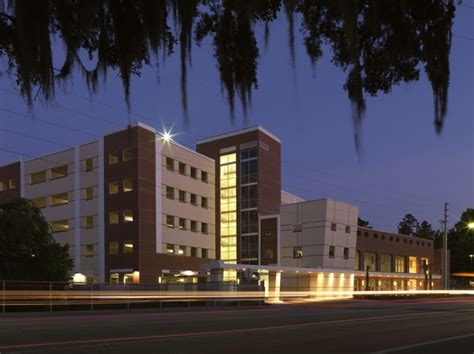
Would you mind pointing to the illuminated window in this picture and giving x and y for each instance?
(369, 261)
(113, 187)
(182, 196)
(40, 202)
(127, 154)
(3, 186)
(386, 263)
(113, 158)
(204, 176)
(182, 250)
(89, 193)
(193, 172)
(333, 227)
(59, 199)
(297, 252)
(400, 264)
(60, 225)
(193, 199)
(204, 228)
(182, 168)
(59, 172)
(89, 165)
(89, 222)
(204, 253)
(193, 225)
(170, 164)
(113, 247)
(332, 251)
(38, 177)
(170, 221)
(128, 246)
(193, 252)
(182, 224)
(89, 250)
(169, 248)
(114, 278)
(204, 202)
(127, 185)
(169, 192)
(228, 207)
(113, 217)
(128, 216)
(412, 262)
(346, 253)
(12, 183)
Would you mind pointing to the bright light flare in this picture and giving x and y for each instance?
(166, 136)
(470, 225)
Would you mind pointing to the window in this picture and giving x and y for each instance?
(193, 226)
(169, 192)
(59, 172)
(113, 187)
(332, 251)
(114, 278)
(170, 164)
(400, 264)
(60, 225)
(386, 263)
(369, 261)
(89, 222)
(412, 264)
(366, 234)
(297, 228)
(297, 252)
(410, 242)
(38, 177)
(40, 202)
(113, 158)
(127, 185)
(359, 233)
(182, 196)
(382, 237)
(193, 172)
(113, 247)
(397, 239)
(348, 229)
(204, 202)
(127, 155)
(249, 196)
(128, 246)
(193, 199)
(89, 250)
(333, 227)
(89, 165)
(376, 236)
(3, 186)
(248, 171)
(204, 176)
(89, 193)
(113, 217)
(193, 252)
(249, 222)
(182, 250)
(182, 168)
(182, 224)
(205, 253)
(204, 228)
(169, 248)
(128, 216)
(170, 221)
(346, 253)
(12, 183)
(268, 253)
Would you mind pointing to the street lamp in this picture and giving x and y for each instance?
(470, 225)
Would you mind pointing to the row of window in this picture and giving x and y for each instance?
(182, 251)
(127, 155)
(59, 172)
(299, 228)
(125, 186)
(183, 169)
(182, 197)
(183, 224)
(61, 198)
(7, 184)
(369, 262)
(396, 239)
(298, 252)
(114, 247)
(117, 217)
(63, 225)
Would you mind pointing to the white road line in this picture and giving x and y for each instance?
(391, 350)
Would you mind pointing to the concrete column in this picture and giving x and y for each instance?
(274, 284)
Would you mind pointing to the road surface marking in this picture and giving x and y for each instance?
(391, 350)
(221, 332)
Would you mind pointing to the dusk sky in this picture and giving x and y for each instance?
(405, 166)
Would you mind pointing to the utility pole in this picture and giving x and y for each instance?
(445, 249)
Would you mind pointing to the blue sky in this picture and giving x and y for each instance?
(404, 167)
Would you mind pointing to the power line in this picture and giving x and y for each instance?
(467, 6)
(463, 37)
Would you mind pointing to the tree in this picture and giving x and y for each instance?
(363, 223)
(425, 230)
(29, 251)
(461, 243)
(408, 226)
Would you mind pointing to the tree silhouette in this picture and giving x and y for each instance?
(378, 43)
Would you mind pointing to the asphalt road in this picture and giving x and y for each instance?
(352, 326)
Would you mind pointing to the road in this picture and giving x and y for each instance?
(351, 326)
